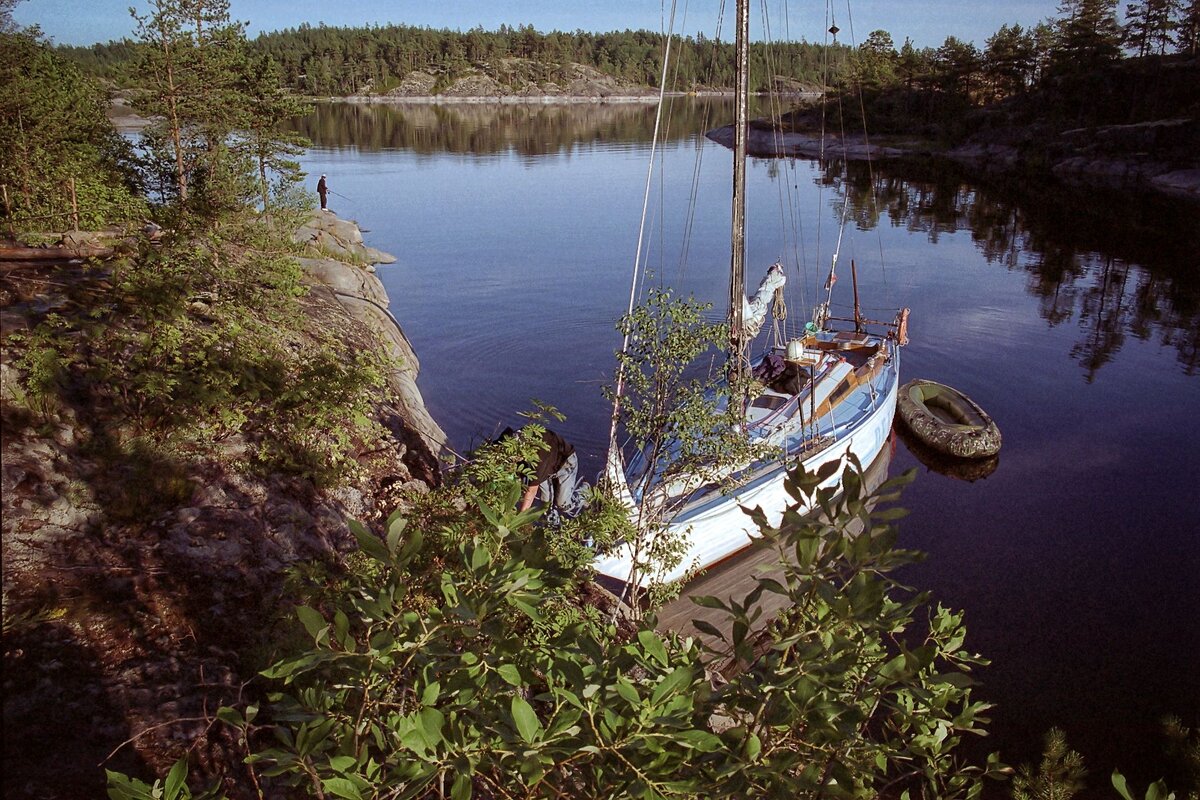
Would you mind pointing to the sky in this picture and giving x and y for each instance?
(926, 22)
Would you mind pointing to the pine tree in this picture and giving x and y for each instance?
(957, 64)
(1009, 60)
(1045, 40)
(6, 21)
(1058, 777)
(53, 130)
(1088, 35)
(188, 68)
(266, 108)
(164, 94)
(1149, 26)
(911, 63)
(1188, 27)
(875, 61)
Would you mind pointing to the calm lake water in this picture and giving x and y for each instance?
(1072, 316)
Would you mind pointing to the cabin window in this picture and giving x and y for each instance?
(771, 402)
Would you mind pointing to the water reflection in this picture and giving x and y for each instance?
(1080, 545)
(483, 129)
(1115, 266)
(963, 469)
(1118, 266)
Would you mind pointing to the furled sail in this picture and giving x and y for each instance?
(754, 311)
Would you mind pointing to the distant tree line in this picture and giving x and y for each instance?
(345, 61)
(326, 61)
(1086, 36)
(1085, 66)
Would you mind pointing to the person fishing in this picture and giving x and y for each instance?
(322, 190)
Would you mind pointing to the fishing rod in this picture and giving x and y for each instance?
(339, 194)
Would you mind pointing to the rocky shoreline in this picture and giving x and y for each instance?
(1145, 157)
(131, 633)
(361, 294)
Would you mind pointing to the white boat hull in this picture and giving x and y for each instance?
(720, 527)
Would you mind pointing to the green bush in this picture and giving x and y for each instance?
(435, 682)
(203, 339)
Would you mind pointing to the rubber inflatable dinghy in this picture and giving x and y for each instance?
(946, 420)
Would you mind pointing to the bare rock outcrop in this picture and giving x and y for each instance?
(519, 79)
(360, 292)
(142, 590)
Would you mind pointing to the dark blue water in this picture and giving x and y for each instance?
(1072, 316)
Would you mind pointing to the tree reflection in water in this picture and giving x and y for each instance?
(1118, 265)
(530, 129)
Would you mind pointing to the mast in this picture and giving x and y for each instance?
(737, 263)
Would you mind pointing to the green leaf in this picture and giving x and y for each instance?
(894, 667)
(959, 680)
(230, 716)
(753, 746)
(341, 787)
(510, 674)
(342, 763)
(519, 602)
(368, 542)
(431, 694)
(773, 586)
(341, 627)
(480, 558)
(1118, 782)
(700, 740)
(708, 628)
(313, 622)
(461, 790)
(670, 684)
(432, 722)
(527, 723)
(653, 646)
(411, 547)
(395, 529)
(123, 787)
(176, 784)
(411, 734)
(1158, 791)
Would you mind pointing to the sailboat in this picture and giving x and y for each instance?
(827, 395)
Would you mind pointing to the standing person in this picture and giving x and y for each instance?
(322, 190)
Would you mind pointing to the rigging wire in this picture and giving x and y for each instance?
(870, 164)
(690, 213)
(821, 312)
(637, 262)
(830, 28)
(790, 219)
(793, 188)
(706, 122)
